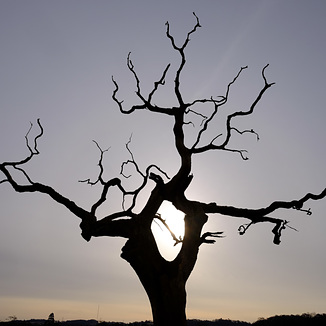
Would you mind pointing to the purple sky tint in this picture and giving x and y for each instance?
(56, 62)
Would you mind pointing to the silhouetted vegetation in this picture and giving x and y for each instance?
(295, 320)
(216, 322)
(282, 320)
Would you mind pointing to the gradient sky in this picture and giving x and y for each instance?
(56, 62)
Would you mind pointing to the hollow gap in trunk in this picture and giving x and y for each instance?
(174, 219)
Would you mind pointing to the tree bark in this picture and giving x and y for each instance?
(167, 296)
(163, 281)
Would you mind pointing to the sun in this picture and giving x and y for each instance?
(174, 219)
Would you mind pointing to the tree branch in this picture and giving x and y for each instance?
(260, 215)
(217, 105)
(203, 238)
(161, 81)
(174, 237)
(229, 119)
(251, 131)
(146, 103)
(88, 218)
(183, 58)
(106, 184)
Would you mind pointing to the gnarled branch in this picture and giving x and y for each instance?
(146, 104)
(261, 214)
(183, 57)
(88, 218)
(223, 146)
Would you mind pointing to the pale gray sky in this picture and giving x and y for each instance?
(56, 62)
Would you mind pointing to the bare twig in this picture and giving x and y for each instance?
(100, 164)
(132, 161)
(203, 238)
(161, 81)
(146, 103)
(229, 119)
(251, 131)
(183, 58)
(217, 105)
(177, 240)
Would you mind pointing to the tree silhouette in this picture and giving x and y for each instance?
(164, 281)
(50, 318)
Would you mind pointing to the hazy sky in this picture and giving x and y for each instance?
(56, 62)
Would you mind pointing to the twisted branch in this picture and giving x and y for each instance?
(230, 117)
(146, 103)
(261, 214)
(183, 57)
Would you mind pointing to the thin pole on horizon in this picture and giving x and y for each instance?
(98, 310)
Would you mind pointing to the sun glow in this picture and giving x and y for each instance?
(174, 219)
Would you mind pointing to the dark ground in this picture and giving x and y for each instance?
(282, 320)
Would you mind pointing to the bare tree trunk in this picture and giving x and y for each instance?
(168, 302)
(163, 281)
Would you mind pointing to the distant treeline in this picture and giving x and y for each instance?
(282, 320)
(295, 320)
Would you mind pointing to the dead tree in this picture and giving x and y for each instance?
(164, 281)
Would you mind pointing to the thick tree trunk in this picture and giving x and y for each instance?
(168, 301)
(163, 281)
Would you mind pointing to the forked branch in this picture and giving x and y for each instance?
(32, 186)
(261, 214)
(183, 57)
(116, 182)
(229, 127)
(203, 238)
(88, 218)
(146, 103)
